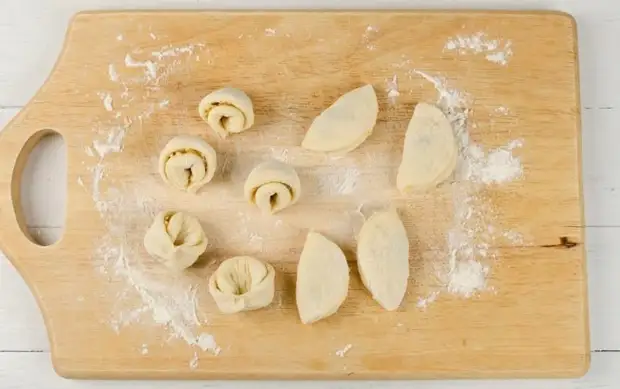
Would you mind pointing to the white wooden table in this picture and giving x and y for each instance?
(31, 34)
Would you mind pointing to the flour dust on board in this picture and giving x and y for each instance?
(497, 51)
(164, 299)
(464, 268)
(461, 265)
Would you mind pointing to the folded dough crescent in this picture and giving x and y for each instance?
(383, 258)
(345, 124)
(322, 279)
(430, 152)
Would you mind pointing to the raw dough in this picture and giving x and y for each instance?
(176, 239)
(242, 284)
(272, 186)
(187, 163)
(430, 152)
(227, 111)
(345, 124)
(322, 279)
(383, 258)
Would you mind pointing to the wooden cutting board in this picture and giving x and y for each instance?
(498, 286)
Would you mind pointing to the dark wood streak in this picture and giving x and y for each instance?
(565, 243)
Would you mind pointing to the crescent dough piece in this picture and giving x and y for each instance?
(187, 163)
(176, 239)
(272, 186)
(383, 258)
(242, 284)
(227, 110)
(345, 124)
(430, 152)
(322, 279)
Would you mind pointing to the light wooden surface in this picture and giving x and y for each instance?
(460, 338)
(32, 38)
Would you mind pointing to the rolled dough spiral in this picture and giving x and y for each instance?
(242, 284)
(176, 239)
(227, 111)
(187, 163)
(272, 186)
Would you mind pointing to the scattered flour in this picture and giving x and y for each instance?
(465, 278)
(496, 50)
(112, 73)
(119, 37)
(513, 237)
(468, 243)
(270, 32)
(206, 342)
(340, 181)
(392, 89)
(112, 144)
(149, 66)
(166, 300)
(342, 352)
(170, 51)
(106, 98)
(424, 302)
(193, 363)
(501, 110)
(499, 166)
(368, 37)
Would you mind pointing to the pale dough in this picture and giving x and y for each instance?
(322, 279)
(383, 258)
(242, 284)
(430, 151)
(187, 163)
(345, 124)
(176, 239)
(227, 111)
(272, 186)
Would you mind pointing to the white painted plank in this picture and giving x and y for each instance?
(6, 114)
(600, 140)
(603, 274)
(16, 372)
(21, 323)
(32, 33)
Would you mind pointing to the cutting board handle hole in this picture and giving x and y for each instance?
(42, 185)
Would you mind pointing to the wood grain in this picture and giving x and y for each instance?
(16, 370)
(535, 326)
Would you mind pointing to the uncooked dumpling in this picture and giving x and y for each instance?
(322, 279)
(345, 124)
(383, 258)
(176, 239)
(187, 163)
(242, 284)
(227, 111)
(430, 152)
(272, 186)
